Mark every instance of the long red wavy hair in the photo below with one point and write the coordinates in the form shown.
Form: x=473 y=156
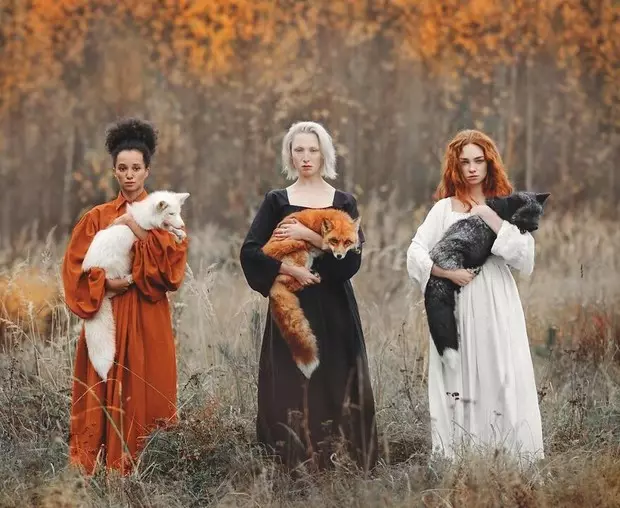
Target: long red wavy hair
x=452 y=182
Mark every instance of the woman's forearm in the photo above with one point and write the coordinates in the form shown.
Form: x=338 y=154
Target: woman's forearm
x=315 y=239
x=286 y=269
x=437 y=271
x=491 y=218
x=137 y=230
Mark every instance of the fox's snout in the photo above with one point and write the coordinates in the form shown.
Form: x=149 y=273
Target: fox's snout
x=340 y=253
x=175 y=222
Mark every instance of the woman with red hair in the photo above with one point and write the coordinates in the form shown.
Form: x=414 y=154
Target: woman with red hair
x=490 y=398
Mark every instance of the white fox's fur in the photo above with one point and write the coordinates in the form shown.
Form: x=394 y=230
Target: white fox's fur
x=111 y=251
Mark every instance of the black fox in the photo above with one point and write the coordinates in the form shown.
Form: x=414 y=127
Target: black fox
x=467 y=244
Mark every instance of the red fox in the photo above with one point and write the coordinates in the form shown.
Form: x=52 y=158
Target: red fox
x=340 y=234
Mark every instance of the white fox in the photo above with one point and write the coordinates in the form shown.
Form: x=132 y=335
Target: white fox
x=111 y=251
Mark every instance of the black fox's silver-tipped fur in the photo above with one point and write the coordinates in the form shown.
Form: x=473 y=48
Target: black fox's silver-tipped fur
x=467 y=244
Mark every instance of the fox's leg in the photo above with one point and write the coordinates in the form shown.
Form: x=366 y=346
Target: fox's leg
x=440 y=302
x=282 y=248
x=448 y=254
x=291 y=320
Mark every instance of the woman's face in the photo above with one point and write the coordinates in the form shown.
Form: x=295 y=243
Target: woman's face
x=130 y=171
x=306 y=154
x=473 y=164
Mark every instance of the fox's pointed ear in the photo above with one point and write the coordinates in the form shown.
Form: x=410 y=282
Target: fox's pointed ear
x=357 y=223
x=326 y=226
x=182 y=197
x=161 y=206
x=541 y=197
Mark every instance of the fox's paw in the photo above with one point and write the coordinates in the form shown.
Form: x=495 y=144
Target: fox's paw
x=308 y=368
x=179 y=234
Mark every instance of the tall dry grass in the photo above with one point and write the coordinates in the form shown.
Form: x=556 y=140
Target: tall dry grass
x=211 y=458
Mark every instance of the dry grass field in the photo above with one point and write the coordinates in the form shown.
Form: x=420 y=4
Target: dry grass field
x=572 y=305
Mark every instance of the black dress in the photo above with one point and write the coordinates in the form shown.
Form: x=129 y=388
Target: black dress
x=299 y=419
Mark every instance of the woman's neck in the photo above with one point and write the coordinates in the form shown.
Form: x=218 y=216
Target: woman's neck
x=131 y=196
x=476 y=195
x=311 y=183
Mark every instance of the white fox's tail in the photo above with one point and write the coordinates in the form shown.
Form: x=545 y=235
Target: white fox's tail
x=100 y=333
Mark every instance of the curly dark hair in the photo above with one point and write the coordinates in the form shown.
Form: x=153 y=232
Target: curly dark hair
x=131 y=134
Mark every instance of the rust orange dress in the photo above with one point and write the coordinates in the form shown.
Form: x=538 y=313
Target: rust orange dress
x=109 y=420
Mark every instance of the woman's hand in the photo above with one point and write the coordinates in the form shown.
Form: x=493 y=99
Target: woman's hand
x=128 y=220
x=300 y=273
x=295 y=230
x=124 y=219
x=304 y=276
x=118 y=286
x=461 y=277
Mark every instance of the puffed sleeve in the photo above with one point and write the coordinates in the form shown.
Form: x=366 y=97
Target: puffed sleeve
x=515 y=247
x=340 y=270
x=260 y=270
x=419 y=263
x=158 y=264
x=84 y=291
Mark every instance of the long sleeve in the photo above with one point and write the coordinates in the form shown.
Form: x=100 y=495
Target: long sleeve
x=260 y=270
x=340 y=270
x=516 y=248
x=158 y=264
x=419 y=263
x=84 y=291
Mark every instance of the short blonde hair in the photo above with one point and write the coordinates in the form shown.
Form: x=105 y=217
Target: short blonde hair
x=328 y=170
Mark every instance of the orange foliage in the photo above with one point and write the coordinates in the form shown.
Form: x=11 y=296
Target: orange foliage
x=597 y=333
x=27 y=301
x=205 y=38
x=270 y=60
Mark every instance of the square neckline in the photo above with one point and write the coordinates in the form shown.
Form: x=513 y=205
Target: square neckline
x=333 y=205
x=452 y=210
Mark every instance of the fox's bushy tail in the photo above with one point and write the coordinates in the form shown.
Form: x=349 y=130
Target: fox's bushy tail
x=295 y=328
x=100 y=333
x=440 y=303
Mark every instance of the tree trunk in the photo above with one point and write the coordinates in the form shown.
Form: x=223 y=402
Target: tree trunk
x=508 y=154
x=65 y=216
x=529 y=124
x=5 y=225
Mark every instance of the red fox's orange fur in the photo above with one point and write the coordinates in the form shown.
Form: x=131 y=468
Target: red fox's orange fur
x=340 y=234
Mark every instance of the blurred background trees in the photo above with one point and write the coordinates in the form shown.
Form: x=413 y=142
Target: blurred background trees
x=393 y=81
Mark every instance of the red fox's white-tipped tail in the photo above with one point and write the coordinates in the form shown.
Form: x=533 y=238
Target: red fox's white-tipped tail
x=308 y=368
x=100 y=334
x=295 y=328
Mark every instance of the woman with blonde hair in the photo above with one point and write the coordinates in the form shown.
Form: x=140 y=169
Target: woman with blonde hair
x=303 y=419
x=490 y=398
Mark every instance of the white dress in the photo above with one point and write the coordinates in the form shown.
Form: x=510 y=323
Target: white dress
x=491 y=398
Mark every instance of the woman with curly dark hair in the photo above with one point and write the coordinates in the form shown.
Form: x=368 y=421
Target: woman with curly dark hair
x=110 y=419
x=488 y=398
